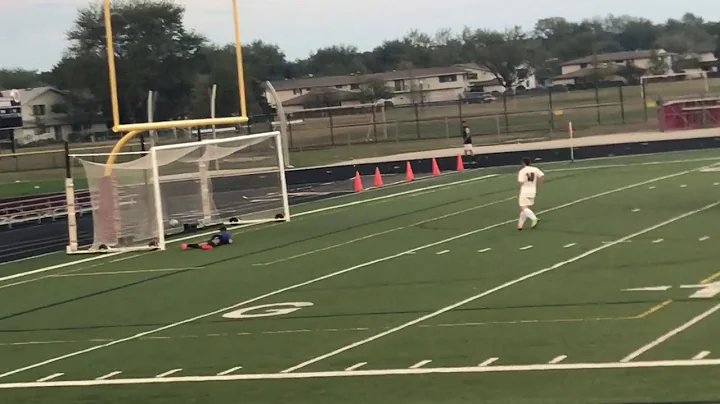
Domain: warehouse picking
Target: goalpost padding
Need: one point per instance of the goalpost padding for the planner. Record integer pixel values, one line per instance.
(173, 188)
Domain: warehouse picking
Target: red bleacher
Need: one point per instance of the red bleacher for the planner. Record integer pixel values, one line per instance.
(36, 208)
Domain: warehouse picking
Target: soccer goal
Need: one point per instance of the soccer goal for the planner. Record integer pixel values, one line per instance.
(143, 197)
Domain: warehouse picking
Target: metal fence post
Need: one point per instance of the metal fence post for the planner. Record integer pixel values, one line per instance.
(417, 121)
(597, 102)
(505, 112)
(644, 100)
(552, 110)
(332, 128)
(622, 104)
(374, 121)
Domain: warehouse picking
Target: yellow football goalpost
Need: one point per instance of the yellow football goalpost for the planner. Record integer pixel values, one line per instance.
(132, 130)
(109, 207)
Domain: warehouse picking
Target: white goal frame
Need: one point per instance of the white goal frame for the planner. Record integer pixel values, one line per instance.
(73, 247)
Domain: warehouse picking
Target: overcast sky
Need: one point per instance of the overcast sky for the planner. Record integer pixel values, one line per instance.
(32, 32)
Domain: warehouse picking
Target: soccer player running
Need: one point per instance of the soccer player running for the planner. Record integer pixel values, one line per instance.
(217, 240)
(528, 178)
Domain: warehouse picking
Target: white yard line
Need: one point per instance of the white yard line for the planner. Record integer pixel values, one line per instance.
(109, 375)
(229, 371)
(488, 362)
(384, 232)
(497, 289)
(356, 366)
(300, 214)
(701, 355)
(370, 373)
(331, 275)
(420, 364)
(52, 376)
(168, 373)
(671, 334)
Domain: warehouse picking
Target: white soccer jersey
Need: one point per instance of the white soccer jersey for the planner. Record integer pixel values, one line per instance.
(528, 177)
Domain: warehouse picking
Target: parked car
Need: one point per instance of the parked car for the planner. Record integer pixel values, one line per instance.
(479, 99)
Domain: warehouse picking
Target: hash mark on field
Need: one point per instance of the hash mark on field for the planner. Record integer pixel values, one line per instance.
(420, 364)
(658, 241)
(356, 366)
(714, 363)
(443, 252)
(704, 238)
(569, 245)
(683, 186)
(636, 210)
(716, 184)
(52, 376)
(488, 362)
(484, 250)
(231, 370)
(168, 373)
(109, 375)
(701, 355)
(653, 187)
(558, 359)
(527, 247)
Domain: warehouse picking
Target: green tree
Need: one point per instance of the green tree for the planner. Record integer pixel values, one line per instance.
(153, 51)
(508, 55)
(19, 78)
(373, 89)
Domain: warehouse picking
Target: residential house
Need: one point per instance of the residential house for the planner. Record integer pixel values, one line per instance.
(416, 86)
(45, 116)
(576, 71)
(481, 80)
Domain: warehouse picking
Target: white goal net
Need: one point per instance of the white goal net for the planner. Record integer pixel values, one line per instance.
(143, 197)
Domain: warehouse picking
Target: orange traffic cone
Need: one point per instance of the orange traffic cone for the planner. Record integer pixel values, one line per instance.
(409, 176)
(460, 165)
(435, 168)
(358, 182)
(378, 177)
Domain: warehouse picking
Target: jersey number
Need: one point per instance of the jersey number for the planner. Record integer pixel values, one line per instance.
(531, 177)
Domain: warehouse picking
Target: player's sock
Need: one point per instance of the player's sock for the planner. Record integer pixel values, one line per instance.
(531, 215)
(207, 247)
(521, 221)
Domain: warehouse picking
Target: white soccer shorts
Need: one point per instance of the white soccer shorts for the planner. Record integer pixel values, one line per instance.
(526, 201)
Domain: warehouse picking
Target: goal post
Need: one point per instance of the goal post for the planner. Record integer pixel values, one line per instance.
(146, 197)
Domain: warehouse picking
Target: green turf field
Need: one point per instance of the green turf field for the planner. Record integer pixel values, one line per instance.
(419, 293)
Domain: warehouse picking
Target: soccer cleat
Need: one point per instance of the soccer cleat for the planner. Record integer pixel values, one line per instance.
(534, 224)
(183, 247)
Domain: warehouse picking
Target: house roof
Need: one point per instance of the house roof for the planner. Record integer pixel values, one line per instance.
(609, 57)
(29, 94)
(588, 71)
(339, 95)
(332, 81)
(472, 66)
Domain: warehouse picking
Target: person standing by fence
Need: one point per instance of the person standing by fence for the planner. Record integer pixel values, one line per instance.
(467, 139)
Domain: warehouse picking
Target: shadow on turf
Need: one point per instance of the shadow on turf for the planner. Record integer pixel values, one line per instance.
(247, 254)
